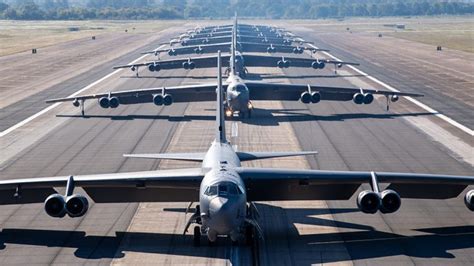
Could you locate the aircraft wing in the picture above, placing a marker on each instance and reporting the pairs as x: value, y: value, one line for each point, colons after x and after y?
x: 151, y: 186
x: 199, y: 62
x: 265, y: 184
x: 183, y: 93
x: 194, y: 49
x: 272, y: 61
x: 279, y: 48
x: 292, y: 92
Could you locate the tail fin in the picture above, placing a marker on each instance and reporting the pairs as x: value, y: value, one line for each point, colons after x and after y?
x: 220, y: 118
x: 233, y: 46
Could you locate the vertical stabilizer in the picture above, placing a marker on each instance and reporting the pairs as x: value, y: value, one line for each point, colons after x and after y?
x: 233, y: 46
x: 220, y: 118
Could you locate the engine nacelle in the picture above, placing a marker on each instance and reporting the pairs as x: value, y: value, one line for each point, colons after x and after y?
x: 154, y: 67
x: 104, y: 102
x: 167, y: 99
x: 318, y: 65
x: 394, y: 98
x: 305, y: 97
x: 283, y: 64
x: 114, y: 102
x: 390, y: 201
x: 315, y: 97
x: 271, y: 50
x: 199, y: 50
x: 158, y: 99
x: 368, y: 98
x: 189, y: 65
x: 358, y: 98
x: 469, y: 200
x: 172, y: 52
x: 76, y: 103
x: 298, y: 50
x: 55, y: 206
x: 368, y: 201
x: 76, y: 205
x: 133, y: 68
x: 184, y: 43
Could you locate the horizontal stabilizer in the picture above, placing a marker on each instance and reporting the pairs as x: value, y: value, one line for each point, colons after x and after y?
x: 196, y: 157
x: 249, y: 156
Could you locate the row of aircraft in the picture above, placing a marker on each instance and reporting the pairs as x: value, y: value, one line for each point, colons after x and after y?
x: 225, y: 190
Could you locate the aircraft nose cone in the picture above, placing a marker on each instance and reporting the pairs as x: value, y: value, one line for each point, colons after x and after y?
x: 221, y: 215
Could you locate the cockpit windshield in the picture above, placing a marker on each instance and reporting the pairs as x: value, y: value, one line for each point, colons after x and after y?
x: 223, y: 189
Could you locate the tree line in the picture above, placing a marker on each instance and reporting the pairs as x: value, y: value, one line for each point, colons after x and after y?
x: 188, y: 9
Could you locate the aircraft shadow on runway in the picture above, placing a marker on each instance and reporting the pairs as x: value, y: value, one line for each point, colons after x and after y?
x: 363, y: 243
x: 249, y: 76
x: 170, y: 77
x: 261, y: 117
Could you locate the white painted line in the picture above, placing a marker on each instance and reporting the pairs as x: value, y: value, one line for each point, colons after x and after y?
x: 235, y: 129
x: 411, y: 99
x: 45, y: 110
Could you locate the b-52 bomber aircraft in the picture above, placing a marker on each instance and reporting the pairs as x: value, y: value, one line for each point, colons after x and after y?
x: 226, y: 190
x: 241, y: 61
x: 241, y: 46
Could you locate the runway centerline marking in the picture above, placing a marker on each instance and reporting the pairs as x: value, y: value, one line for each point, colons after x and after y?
x: 411, y: 99
x: 51, y: 107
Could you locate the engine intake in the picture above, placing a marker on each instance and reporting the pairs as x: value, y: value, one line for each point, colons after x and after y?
x: 283, y: 63
x: 469, y: 200
x: 394, y: 98
x: 55, y: 206
x: 368, y: 201
x: 76, y: 205
x: 271, y: 50
x: 76, y: 103
x: 358, y: 98
x: 189, y: 65
x: 391, y: 201
x: 315, y: 97
x: 368, y: 98
x: 114, y: 102
x: 167, y: 99
x: 172, y: 52
x: 154, y: 67
x: 104, y: 102
x: 305, y: 97
x: 158, y: 99
x: 318, y: 65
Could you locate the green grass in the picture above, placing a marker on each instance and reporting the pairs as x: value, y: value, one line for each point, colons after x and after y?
x: 18, y: 36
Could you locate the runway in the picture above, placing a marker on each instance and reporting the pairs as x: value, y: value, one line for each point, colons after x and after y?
x: 348, y: 137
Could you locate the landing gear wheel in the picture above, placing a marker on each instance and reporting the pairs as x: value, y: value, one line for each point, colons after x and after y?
x: 197, y: 236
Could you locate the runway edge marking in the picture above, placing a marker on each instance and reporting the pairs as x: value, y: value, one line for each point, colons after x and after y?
x: 51, y: 107
x: 418, y: 103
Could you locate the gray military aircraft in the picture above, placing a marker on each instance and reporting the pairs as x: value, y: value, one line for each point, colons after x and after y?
x: 226, y: 191
x: 241, y: 61
x: 239, y: 93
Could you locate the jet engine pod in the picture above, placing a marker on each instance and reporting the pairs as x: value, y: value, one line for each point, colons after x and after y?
x: 198, y: 50
x: 391, y: 201
x: 154, y: 67
x: 167, y: 99
x: 358, y: 98
x: 280, y: 64
x: 394, y: 98
x: 298, y: 50
x: 368, y: 201
x: 191, y: 65
x: 76, y: 103
x: 76, y: 205
x: 305, y: 97
x: 318, y: 65
x: 104, y: 102
x: 368, y: 98
x: 315, y: 97
x: 55, y: 206
x: 158, y: 99
x: 132, y: 68
x: 271, y: 50
x: 114, y: 102
x: 469, y: 200
x: 172, y: 52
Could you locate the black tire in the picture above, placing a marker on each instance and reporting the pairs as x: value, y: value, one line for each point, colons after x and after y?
x: 197, y: 236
